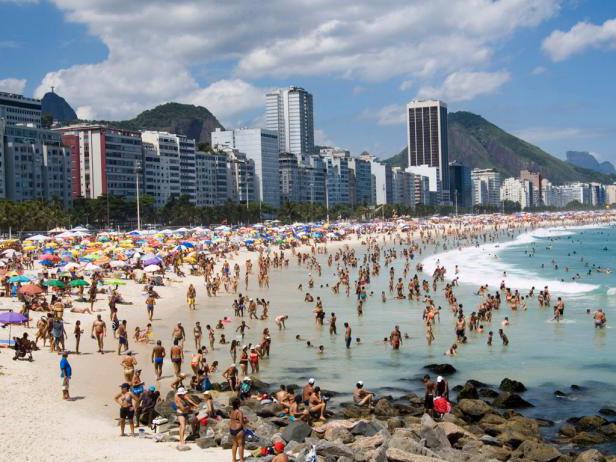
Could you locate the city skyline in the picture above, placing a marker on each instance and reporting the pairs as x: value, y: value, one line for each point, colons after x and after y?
x: 363, y: 64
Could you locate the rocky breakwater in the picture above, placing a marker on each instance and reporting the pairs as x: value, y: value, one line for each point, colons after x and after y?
x: 484, y: 426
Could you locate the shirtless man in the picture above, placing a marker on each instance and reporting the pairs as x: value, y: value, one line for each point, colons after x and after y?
x: 600, y: 319
x: 230, y: 375
x: 361, y: 396
x: 122, y: 337
x: 395, y: 338
x: 177, y: 356
x: 347, y: 335
x: 332, y: 325
x: 158, y: 356
x: 429, y: 395
x: 99, y: 330
x: 179, y: 334
x: 317, y: 404
x: 149, y: 304
x: 280, y: 321
x: 191, y: 295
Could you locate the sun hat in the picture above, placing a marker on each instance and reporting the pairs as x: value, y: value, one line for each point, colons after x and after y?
x: 311, y: 381
x: 439, y: 379
x: 181, y: 391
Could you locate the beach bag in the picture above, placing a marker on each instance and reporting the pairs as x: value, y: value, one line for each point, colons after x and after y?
x: 442, y: 406
x: 206, y: 385
x: 312, y: 455
x: 250, y: 436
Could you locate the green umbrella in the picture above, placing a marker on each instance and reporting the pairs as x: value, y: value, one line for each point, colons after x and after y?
x: 53, y: 283
x: 79, y: 283
x: 114, y: 282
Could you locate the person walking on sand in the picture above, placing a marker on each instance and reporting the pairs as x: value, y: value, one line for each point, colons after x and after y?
x: 236, y: 429
x: 66, y: 373
x: 179, y: 334
x: 122, y: 337
x: 149, y: 305
x: 177, y: 355
x: 191, y: 296
x: 78, y: 331
x: 126, y: 400
x: 158, y: 356
x: 99, y: 331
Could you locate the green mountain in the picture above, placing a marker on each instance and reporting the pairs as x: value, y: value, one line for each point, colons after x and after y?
x: 195, y: 122
x: 477, y: 143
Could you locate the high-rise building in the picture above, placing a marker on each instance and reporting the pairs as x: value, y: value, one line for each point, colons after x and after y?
x: 486, y: 187
x: 260, y: 146
x: 610, y: 194
x: 161, y: 166
x: 104, y: 160
x: 403, y: 188
x: 381, y: 180
x: 290, y: 182
x: 289, y: 113
x: 34, y: 164
x: 211, y: 179
x: 427, y: 141
x: 360, y: 181
x: 535, y: 179
x: 517, y: 191
x: 461, y: 186
x: 338, y: 176
x: 20, y: 110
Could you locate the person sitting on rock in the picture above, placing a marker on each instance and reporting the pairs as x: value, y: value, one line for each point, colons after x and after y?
x: 361, y: 396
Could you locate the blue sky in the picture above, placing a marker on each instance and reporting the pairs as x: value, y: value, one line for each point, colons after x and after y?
x: 542, y: 69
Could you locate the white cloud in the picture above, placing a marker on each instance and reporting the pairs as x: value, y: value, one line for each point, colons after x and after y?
x: 322, y: 139
x: 464, y: 86
x: 153, y: 46
x: 12, y: 85
x: 538, y: 70
x: 392, y: 114
x: 406, y: 85
x: 561, y: 45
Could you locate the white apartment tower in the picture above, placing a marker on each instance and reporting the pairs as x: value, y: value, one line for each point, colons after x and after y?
x: 427, y: 140
x: 289, y: 113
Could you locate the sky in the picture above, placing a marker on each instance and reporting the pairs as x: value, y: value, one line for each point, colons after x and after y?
x: 541, y: 69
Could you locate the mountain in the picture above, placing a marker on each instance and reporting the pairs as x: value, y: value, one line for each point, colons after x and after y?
x: 56, y: 106
x: 586, y: 160
x: 184, y: 119
x: 477, y: 143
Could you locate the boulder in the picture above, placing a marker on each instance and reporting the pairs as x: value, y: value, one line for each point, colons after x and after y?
x: 339, y: 433
x: 296, y: 431
x: 591, y: 455
x: 395, y: 422
x: 608, y: 430
x: 398, y: 455
x: 352, y: 411
x: 567, y: 430
x: 269, y: 410
x: 607, y: 411
x: 560, y: 394
x: 496, y: 452
x: 511, y: 438
x: 589, y: 423
x: 455, y: 432
x: 434, y: 436
x: 383, y: 408
x: 507, y: 400
x: 365, y: 428
x: 487, y: 393
x: 511, y: 385
x: 364, y: 443
x: 587, y: 438
x: 490, y: 440
x: 441, y: 369
x: 335, y: 450
x: 468, y: 391
x: 474, y: 408
x: 536, y: 451
x: 523, y: 425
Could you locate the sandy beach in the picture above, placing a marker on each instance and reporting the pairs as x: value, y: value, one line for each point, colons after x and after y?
x: 39, y: 425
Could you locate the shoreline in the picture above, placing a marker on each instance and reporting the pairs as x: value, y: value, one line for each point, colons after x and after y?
x: 96, y: 409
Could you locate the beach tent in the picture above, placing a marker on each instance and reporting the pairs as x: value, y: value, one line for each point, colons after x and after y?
x: 10, y: 318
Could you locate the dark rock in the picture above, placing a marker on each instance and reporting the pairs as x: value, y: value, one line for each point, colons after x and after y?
x: 296, y: 431
x: 567, y: 430
x: 364, y: 428
x: 473, y: 408
x: 586, y: 438
x: 333, y: 450
x: 394, y: 422
x: 441, y: 369
x: 270, y: 410
x: 592, y: 455
x: 545, y: 423
x: 536, y: 451
x: 434, y: 436
x: 457, y: 388
x: 488, y: 393
x: 468, y: 391
x: 508, y: 400
x: 478, y: 384
x: 589, y: 423
x: 259, y: 384
x: 577, y: 388
x: 352, y: 411
x: 339, y: 433
x: 491, y: 440
x: 606, y: 411
x: 608, y: 430
x: 511, y: 385
x: 560, y: 394
x: 383, y: 408
x: 206, y: 442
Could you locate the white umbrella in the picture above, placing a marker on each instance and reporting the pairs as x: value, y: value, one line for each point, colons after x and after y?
x: 70, y: 266
x: 92, y: 267
x: 117, y: 264
x: 38, y: 238
x: 151, y: 268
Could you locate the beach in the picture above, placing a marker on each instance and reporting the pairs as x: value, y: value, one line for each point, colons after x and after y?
x: 85, y: 428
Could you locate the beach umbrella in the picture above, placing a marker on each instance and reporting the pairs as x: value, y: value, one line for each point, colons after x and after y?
x: 117, y: 264
x: 10, y: 318
x: 53, y: 283
x: 19, y: 278
x: 92, y: 267
x: 30, y: 289
x: 79, y: 283
x: 151, y: 268
x: 114, y: 282
x: 152, y: 261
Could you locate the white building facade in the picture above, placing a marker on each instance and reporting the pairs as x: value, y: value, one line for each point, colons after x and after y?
x: 289, y: 113
x: 486, y: 187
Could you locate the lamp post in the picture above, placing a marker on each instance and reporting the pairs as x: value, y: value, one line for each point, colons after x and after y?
x: 137, y: 171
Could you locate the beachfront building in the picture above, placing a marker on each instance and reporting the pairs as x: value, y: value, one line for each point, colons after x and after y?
x: 338, y: 179
x: 289, y: 113
x: 403, y: 188
x: 360, y: 181
x: 290, y: 182
x: 486, y: 187
x: 104, y: 160
x: 211, y: 179
x: 536, y: 180
x: 381, y: 180
x: 20, y: 110
x: 610, y: 194
x: 34, y: 164
x: 313, y: 174
x: 518, y: 191
x: 563, y: 195
x: 428, y: 143
x: 431, y: 197
x: 260, y: 146
x: 240, y: 177
x: 460, y: 185
x: 161, y: 166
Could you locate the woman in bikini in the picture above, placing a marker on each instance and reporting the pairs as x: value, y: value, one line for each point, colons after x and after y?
x: 127, y: 410
x: 236, y: 428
